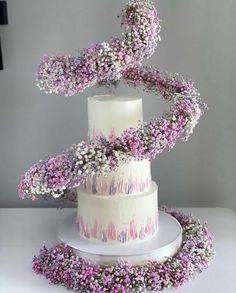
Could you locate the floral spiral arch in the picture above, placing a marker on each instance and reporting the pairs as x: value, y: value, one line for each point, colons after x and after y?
x: 108, y: 64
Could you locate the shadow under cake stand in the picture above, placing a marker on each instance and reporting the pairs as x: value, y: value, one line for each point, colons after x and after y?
x: 164, y: 244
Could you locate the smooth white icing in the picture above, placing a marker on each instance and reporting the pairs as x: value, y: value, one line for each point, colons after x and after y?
x: 110, y: 115
x: 123, y: 214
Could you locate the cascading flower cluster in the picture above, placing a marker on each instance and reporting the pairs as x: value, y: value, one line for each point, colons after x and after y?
x: 108, y: 64
x: 104, y: 63
x: 63, y: 267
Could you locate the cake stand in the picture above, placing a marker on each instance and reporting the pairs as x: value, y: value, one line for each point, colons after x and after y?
x: 164, y: 244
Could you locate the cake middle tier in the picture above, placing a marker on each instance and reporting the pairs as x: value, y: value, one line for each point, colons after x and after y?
x: 131, y: 178
x: 118, y: 219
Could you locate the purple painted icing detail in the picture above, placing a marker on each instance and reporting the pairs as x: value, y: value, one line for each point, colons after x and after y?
x: 104, y: 237
x: 123, y: 236
x: 130, y: 187
x: 87, y: 234
x: 112, y: 187
x: 96, y: 231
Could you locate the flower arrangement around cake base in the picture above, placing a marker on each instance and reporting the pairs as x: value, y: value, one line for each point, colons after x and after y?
x: 61, y: 266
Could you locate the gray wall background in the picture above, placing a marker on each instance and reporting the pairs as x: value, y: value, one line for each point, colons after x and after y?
x: 198, y: 41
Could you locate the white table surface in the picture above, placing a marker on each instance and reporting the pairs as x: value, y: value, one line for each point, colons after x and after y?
x: 24, y: 231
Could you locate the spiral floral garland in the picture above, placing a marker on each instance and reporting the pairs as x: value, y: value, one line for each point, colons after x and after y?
x: 62, y: 266
x: 105, y: 64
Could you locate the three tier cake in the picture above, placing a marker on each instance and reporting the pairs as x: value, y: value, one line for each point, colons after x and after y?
x: 121, y: 207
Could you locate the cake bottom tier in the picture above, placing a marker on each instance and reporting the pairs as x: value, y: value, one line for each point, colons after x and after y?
x: 118, y: 219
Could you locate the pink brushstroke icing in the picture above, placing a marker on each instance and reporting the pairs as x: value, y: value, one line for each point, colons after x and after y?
x: 141, y: 233
x: 111, y: 233
x: 87, y: 234
x: 94, y: 229
x: 112, y: 134
x: 81, y: 225
x: 103, y: 187
x: 123, y: 236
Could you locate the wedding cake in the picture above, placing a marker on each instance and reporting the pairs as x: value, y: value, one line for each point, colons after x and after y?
x: 116, y: 240
x: 121, y: 207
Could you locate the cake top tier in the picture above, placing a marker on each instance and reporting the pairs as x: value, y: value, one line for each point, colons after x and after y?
x: 110, y: 115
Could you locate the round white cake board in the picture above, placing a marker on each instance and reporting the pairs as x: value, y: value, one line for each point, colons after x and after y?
x: 163, y: 245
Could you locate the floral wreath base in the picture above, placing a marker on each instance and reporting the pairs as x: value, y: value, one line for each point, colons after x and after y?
x: 62, y: 266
